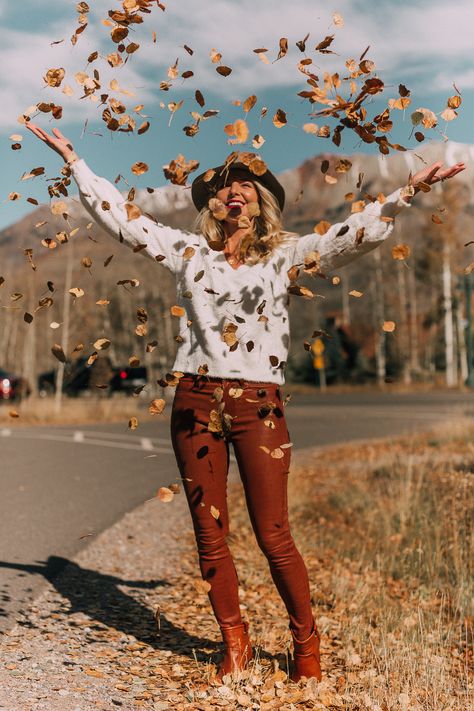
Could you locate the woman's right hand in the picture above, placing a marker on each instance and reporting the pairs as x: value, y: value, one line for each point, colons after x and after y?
x: 57, y: 142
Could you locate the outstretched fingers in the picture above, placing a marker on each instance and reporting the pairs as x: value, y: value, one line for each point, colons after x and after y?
x: 38, y: 131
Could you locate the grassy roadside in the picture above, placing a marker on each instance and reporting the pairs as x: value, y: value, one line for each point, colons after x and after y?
x: 386, y: 531
x: 75, y: 411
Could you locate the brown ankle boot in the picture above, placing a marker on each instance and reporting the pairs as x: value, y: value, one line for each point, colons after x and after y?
x: 237, y: 651
x: 306, y: 657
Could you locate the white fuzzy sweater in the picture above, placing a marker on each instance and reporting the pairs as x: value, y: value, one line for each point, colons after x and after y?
x: 254, y: 298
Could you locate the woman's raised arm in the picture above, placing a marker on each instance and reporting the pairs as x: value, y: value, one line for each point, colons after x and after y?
x: 365, y: 230
x: 105, y: 203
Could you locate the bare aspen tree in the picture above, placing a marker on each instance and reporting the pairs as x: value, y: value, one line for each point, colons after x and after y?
x: 451, y: 374
x: 413, y: 321
x: 403, y: 332
x: 65, y: 330
x: 379, y: 318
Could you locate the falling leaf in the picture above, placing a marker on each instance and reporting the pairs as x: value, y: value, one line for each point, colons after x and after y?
x: 283, y: 48
x: 338, y: 19
x: 249, y: 103
x: 58, y: 352
x: 157, y: 406
x: 139, y: 168
x: 239, y: 129
x: 177, y: 311
x: 401, y: 251
x: 388, y: 326
x: 279, y: 120
x: 322, y: 227
x: 59, y: 208
x: 215, y: 512
x: 356, y: 294
x: 424, y: 116
x: 77, y: 292
x: 133, y: 423
x: 102, y: 344
x: 133, y: 211
x: 54, y: 77
x: 223, y: 70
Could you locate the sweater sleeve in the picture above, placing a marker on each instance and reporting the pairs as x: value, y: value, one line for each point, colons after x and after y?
x: 359, y: 234
x: 105, y: 203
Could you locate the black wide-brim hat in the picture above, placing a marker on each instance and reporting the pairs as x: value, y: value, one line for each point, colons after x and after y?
x: 202, y: 190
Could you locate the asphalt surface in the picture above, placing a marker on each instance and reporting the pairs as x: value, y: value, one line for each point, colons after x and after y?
x: 61, y: 486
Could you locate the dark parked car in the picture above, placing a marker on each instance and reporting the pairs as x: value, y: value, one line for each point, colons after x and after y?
x: 13, y: 387
x: 81, y: 378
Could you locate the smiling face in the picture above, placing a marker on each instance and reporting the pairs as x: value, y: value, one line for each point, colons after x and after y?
x: 236, y: 197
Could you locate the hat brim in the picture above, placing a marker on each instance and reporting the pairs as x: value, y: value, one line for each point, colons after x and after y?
x: 202, y: 190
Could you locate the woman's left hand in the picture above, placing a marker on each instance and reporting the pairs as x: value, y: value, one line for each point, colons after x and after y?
x: 435, y: 173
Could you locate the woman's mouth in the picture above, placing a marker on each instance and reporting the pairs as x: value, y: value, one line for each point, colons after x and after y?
x: 234, y: 204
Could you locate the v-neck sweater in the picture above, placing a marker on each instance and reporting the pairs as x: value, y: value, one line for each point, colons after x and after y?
x: 250, y: 301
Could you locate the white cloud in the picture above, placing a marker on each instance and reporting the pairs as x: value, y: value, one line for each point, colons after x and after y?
x: 427, y: 46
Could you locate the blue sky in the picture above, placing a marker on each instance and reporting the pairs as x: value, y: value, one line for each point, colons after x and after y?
x: 425, y: 45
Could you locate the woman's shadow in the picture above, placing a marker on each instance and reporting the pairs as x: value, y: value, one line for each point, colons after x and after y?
x: 99, y: 597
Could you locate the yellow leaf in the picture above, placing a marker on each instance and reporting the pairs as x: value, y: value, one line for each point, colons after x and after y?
x: 177, y: 311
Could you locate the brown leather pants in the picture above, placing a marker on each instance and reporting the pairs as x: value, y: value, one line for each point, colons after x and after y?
x: 203, y: 461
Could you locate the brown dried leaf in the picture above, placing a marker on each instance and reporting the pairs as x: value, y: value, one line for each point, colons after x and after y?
x: 157, y: 406
x: 401, y: 251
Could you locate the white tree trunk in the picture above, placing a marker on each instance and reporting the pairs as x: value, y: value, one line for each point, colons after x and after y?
x: 346, y: 312
x: 451, y: 375
x: 461, y: 341
x: 65, y: 330
x: 414, y: 350
x: 403, y: 334
x: 379, y: 312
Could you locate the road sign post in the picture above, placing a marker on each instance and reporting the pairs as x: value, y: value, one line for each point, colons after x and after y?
x: 317, y: 349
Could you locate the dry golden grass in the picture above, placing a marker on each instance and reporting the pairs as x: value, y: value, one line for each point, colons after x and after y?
x: 82, y: 410
x: 392, y: 525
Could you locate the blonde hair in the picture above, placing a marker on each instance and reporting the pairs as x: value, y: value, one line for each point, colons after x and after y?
x: 259, y: 244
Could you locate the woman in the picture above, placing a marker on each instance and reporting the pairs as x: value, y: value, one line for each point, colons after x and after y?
x: 234, y: 336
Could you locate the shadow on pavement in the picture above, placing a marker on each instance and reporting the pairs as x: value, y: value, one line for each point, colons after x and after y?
x: 99, y: 597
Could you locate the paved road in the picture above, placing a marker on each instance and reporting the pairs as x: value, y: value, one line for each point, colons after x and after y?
x: 60, y: 486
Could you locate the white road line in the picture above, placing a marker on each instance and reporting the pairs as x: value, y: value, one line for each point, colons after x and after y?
x: 138, y: 444
x: 89, y: 440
